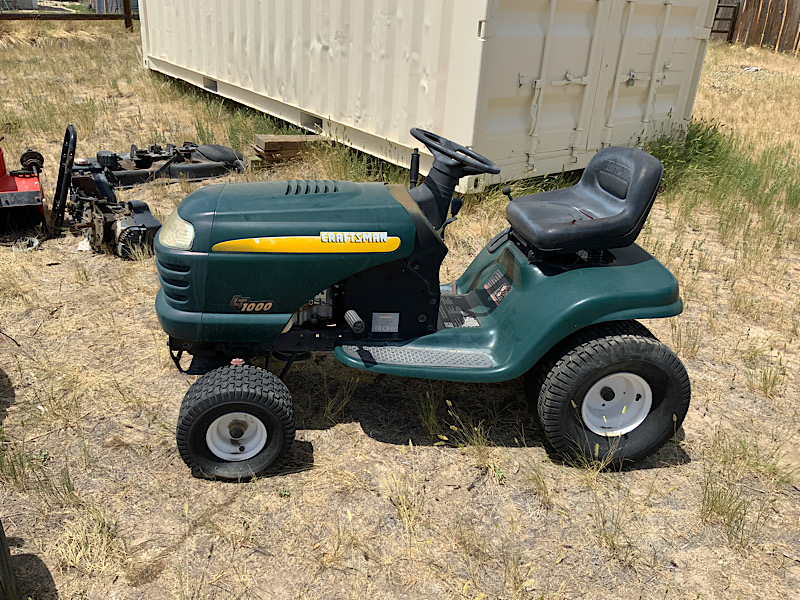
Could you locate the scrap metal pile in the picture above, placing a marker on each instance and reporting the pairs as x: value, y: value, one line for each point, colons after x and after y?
x: 85, y: 198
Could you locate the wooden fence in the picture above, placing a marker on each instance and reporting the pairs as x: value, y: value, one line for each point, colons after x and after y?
x: 769, y: 23
x: 127, y: 15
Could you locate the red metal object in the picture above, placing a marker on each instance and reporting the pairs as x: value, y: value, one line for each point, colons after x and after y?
x: 19, y: 188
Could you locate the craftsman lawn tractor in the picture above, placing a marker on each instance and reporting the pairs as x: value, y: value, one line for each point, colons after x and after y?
x: 290, y: 267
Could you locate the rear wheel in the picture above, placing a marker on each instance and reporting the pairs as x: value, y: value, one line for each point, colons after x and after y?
x: 615, y: 394
x: 235, y: 422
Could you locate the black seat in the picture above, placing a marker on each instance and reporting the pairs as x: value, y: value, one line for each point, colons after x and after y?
x: 605, y: 209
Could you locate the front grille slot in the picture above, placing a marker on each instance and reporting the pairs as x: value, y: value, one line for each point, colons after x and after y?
x: 174, y: 280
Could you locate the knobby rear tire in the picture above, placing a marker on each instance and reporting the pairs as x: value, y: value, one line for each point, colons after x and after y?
x: 626, y: 351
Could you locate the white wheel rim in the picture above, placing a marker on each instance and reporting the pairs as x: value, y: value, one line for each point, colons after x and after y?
x: 236, y: 436
x: 617, y: 404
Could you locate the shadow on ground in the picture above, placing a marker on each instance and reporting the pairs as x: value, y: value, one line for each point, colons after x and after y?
x: 396, y: 410
x: 33, y: 578
x: 23, y: 575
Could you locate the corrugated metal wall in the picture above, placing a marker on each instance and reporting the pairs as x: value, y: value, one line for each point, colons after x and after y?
x: 537, y: 85
x: 379, y: 66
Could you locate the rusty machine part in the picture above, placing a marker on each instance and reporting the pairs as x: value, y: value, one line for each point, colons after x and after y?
x: 85, y: 192
x: 190, y: 161
x: 125, y: 227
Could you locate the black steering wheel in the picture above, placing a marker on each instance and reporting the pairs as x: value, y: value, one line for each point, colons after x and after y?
x: 470, y: 162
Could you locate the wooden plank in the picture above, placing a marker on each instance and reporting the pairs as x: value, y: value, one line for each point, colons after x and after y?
x: 263, y: 140
x: 273, y: 148
x: 770, y: 23
x: 740, y: 22
x: 757, y: 23
x: 793, y: 29
x: 783, y: 24
x: 797, y: 41
x: 767, y: 28
x: 62, y: 17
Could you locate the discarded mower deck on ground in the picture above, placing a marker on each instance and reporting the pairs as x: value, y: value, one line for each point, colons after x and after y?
x: 190, y: 161
x: 289, y: 267
x: 86, y: 198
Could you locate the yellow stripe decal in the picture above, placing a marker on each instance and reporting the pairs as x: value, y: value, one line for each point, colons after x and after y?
x: 309, y: 244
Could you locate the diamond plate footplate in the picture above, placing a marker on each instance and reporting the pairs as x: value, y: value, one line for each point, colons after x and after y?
x: 419, y: 357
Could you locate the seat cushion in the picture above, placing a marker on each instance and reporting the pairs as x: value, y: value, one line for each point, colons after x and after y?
x: 605, y: 209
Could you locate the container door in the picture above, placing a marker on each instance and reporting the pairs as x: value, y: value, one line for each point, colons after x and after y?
x: 537, y: 89
x: 647, y: 71
x: 563, y: 95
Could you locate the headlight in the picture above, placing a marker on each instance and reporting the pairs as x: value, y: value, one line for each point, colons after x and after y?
x: 176, y: 233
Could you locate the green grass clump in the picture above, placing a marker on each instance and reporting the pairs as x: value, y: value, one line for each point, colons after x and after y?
x: 701, y: 153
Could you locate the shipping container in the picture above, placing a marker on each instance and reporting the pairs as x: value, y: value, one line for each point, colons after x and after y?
x: 538, y: 86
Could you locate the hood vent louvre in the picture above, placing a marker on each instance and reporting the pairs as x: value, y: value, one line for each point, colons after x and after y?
x: 304, y: 187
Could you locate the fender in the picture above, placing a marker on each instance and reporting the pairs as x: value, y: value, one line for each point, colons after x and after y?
x: 540, y: 308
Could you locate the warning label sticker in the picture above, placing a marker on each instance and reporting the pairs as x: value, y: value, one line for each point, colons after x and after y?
x: 456, y: 312
x: 498, y: 287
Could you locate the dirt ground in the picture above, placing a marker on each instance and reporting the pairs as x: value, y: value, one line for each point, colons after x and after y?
x: 97, y: 503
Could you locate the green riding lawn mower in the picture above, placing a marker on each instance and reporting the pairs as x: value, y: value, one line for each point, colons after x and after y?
x: 292, y: 267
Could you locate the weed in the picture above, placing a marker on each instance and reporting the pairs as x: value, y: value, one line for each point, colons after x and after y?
x: 205, y: 133
x: 472, y: 436
x: 540, y: 486
x: 81, y: 272
x: 407, y: 495
x: 735, y: 456
x: 427, y: 411
x: 767, y: 376
x: 336, y: 403
x: 725, y: 504
x: 16, y: 467
x: 612, y: 512
x: 90, y: 543
x: 57, y: 394
x: 57, y: 489
x: 685, y: 338
x: 702, y: 151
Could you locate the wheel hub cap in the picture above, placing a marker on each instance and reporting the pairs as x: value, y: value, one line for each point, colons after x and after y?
x: 236, y: 436
x: 616, y: 404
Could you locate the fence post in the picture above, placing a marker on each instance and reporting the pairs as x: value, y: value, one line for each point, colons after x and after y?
x: 126, y: 7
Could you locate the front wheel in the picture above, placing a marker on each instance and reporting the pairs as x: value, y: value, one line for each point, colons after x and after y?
x: 235, y: 422
x: 616, y: 394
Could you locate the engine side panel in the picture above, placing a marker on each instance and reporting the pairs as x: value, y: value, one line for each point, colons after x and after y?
x: 283, y: 242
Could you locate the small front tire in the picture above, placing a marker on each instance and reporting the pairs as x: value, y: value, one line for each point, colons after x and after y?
x: 235, y: 422
x: 613, y: 395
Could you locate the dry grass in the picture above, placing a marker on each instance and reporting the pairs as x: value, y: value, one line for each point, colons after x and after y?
x: 396, y: 488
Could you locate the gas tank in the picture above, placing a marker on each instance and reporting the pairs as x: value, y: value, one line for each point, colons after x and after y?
x: 277, y: 244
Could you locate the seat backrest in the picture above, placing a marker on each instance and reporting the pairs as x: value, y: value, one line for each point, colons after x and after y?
x: 619, y: 178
